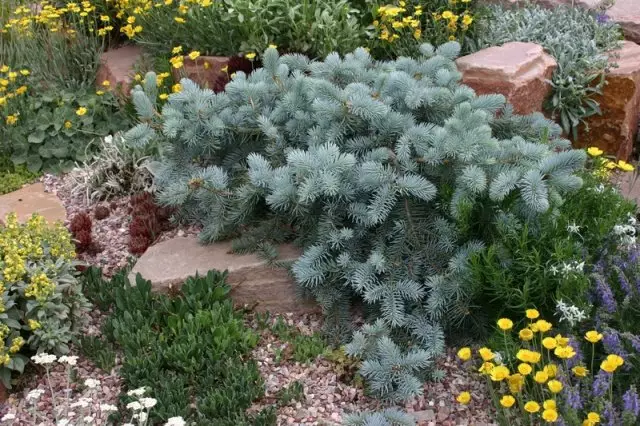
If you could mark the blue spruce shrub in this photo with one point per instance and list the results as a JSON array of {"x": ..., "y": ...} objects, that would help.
[{"x": 391, "y": 175}]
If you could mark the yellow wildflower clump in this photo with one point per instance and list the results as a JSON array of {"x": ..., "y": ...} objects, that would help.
[
  {"x": 528, "y": 377},
  {"x": 34, "y": 257}
]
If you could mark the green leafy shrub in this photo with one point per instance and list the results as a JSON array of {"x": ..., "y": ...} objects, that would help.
[
  {"x": 55, "y": 129},
  {"x": 391, "y": 175},
  {"x": 315, "y": 28},
  {"x": 574, "y": 37},
  {"x": 539, "y": 265},
  {"x": 42, "y": 302},
  {"x": 193, "y": 350}
]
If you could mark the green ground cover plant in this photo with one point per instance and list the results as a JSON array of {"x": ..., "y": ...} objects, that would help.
[
  {"x": 391, "y": 175},
  {"x": 13, "y": 177},
  {"x": 578, "y": 39},
  {"x": 193, "y": 349}
]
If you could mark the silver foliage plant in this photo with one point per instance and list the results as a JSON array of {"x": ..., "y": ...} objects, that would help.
[
  {"x": 390, "y": 175},
  {"x": 580, "y": 41},
  {"x": 117, "y": 170}
]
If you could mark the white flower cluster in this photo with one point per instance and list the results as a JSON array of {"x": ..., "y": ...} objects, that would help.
[
  {"x": 570, "y": 313},
  {"x": 85, "y": 405},
  {"x": 567, "y": 268},
  {"x": 627, "y": 232}
]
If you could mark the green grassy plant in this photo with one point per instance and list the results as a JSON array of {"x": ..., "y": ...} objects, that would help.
[{"x": 193, "y": 349}]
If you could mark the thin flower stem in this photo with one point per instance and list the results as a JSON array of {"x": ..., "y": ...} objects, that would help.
[
  {"x": 53, "y": 396},
  {"x": 593, "y": 355}
]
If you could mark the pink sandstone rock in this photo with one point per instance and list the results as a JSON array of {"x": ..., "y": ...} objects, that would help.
[
  {"x": 519, "y": 71},
  {"x": 205, "y": 70},
  {"x": 614, "y": 131},
  {"x": 32, "y": 199},
  {"x": 252, "y": 281},
  {"x": 627, "y": 14},
  {"x": 117, "y": 67}
]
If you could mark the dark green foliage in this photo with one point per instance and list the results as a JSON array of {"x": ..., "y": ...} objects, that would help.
[
  {"x": 99, "y": 350},
  {"x": 193, "y": 350},
  {"x": 40, "y": 140}
]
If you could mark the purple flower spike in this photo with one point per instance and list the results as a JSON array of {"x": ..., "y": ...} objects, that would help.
[{"x": 631, "y": 401}]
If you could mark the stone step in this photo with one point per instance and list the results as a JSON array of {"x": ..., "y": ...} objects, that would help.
[
  {"x": 168, "y": 264},
  {"x": 32, "y": 199},
  {"x": 117, "y": 66}
]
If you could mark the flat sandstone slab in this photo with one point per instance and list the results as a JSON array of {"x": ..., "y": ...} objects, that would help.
[
  {"x": 252, "y": 282},
  {"x": 32, "y": 199}
]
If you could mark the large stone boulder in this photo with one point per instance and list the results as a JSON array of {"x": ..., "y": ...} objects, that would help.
[
  {"x": 252, "y": 281},
  {"x": 32, "y": 199},
  {"x": 519, "y": 71},
  {"x": 117, "y": 67},
  {"x": 615, "y": 129}
]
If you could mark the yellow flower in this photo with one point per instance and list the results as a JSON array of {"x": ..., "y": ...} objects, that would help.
[
  {"x": 580, "y": 371},
  {"x": 447, "y": 14},
  {"x": 21, "y": 90},
  {"x": 526, "y": 355},
  {"x": 593, "y": 336},
  {"x": 549, "y": 404},
  {"x": 499, "y": 373},
  {"x": 467, "y": 20},
  {"x": 610, "y": 165},
  {"x": 179, "y": 20},
  {"x": 250, "y": 56},
  {"x": 562, "y": 341},
  {"x": 163, "y": 96},
  {"x": 564, "y": 352},
  {"x": 594, "y": 151},
  {"x": 194, "y": 55},
  {"x": 225, "y": 68},
  {"x": 532, "y": 407},
  {"x": 12, "y": 119},
  {"x": 486, "y": 354},
  {"x": 507, "y": 401},
  {"x": 516, "y": 381},
  {"x": 526, "y": 334},
  {"x": 550, "y": 415},
  {"x": 593, "y": 417},
  {"x": 81, "y": 111},
  {"x": 612, "y": 363},
  {"x": 67, "y": 124},
  {"x": 176, "y": 50},
  {"x": 524, "y": 369},
  {"x": 505, "y": 324},
  {"x": 176, "y": 88},
  {"x": 25, "y": 72},
  {"x": 624, "y": 166},
  {"x": 464, "y": 398},
  {"x": 543, "y": 326},
  {"x": 34, "y": 325},
  {"x": 464, "y": 354},
  {"x": 486, "y": 367},
  {"x": 551, "y": 370},
  {"x": 555, "y": 386},
  {"x": 106, "y": 83},
  {"x": 99, "y": 92},
  {"x": 417, "y": 34},
  {"x": 273, "y": 46},
  {"x": 549, "y": 343},
  {"x": 104, "y": 18},
  {"x": 541, "y": 377},
  {"x": 532, "y": 313}
]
